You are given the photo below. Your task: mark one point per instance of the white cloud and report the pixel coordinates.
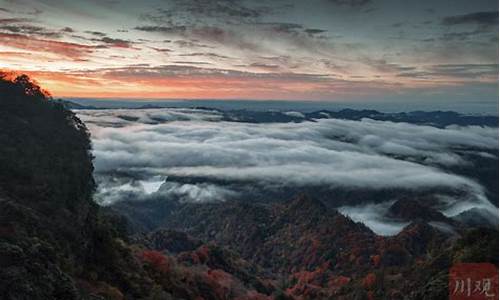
(202, 192)
(337, 153)
(372, 215)
(295, 114)
(125, 117)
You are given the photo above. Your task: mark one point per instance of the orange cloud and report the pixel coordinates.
(180, 81)
(108, 84)
(65, 49)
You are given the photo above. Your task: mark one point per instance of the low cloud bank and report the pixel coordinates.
(338, 153)
(373, 216)
(111, 190)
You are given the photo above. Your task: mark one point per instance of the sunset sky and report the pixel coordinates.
(334, 50)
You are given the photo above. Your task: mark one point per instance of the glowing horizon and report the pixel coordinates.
(334, 50)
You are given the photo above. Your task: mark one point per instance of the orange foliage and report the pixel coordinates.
(31, 86)
(375, 260)
(8, 75)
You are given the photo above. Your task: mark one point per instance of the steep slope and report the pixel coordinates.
(56, 243)
(45, 185)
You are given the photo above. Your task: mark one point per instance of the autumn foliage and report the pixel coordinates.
(369, 281)
(155, 259)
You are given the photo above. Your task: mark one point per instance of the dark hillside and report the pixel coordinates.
(56, 243)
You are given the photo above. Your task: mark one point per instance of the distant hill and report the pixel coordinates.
(72, 105)
(432, 118)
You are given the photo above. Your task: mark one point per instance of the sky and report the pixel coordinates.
(327, 50)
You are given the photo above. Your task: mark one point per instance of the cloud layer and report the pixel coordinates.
(136, 150)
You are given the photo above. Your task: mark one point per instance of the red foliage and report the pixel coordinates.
(305, 276)
(369, 281)
(338, 281)
(203, 253)
(222, 278)
(220, 282)
(310, 284)
(370, 295)
(253, 295)
(155, 259)
(304, 291)
(314, 277)
(7, 230)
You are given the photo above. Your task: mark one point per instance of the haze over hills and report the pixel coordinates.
(395, 106)
(282, 113)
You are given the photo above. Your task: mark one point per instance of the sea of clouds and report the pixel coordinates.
(138, 150)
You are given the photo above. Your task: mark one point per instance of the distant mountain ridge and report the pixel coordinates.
(432, 118)
(72, 105)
